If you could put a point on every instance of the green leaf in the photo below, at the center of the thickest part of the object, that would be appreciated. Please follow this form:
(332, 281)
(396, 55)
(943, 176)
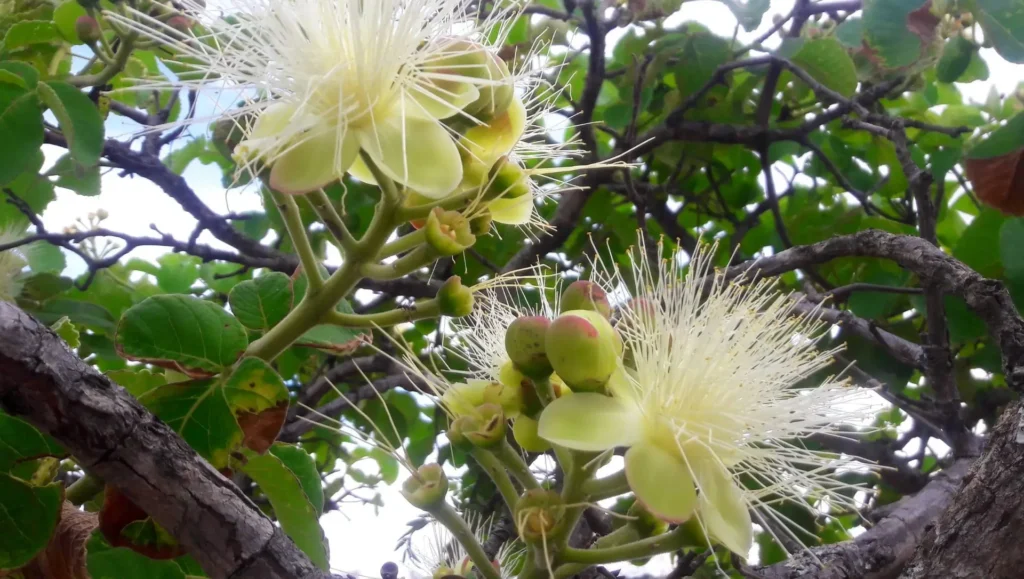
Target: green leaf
(65, 16)
(45, 258)
(76, 177)
(137, 381)
(43, 286)
(977, 246)
(851, 33)
(30, 32)
(28, 515)
(106, 562)
(79, 119)
(898, 30)
(1003, 24)
(1011, 240)
(333, 339)
(218, 416)
(21, 124)
(956, 56)
(827, 62)
(961, 116)
(263, 302)
(1002, 141)
(184, 333)
(749, 13)
(701, 56)
(88, 314)
(292, 507)
(303, 467)
(67, 332)
(20, 441)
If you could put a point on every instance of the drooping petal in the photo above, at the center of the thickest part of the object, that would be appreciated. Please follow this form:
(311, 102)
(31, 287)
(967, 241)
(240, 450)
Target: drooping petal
(360, 171)
(313, 163)
(496, 139)
(661, 481)
(416, 152)
(517, 211)
(589, 421)
(722, 509)
(440, 99)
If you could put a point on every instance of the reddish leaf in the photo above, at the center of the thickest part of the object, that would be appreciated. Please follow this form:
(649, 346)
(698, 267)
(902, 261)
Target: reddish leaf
(922, 23)
(261, 428)
(999, 181)
(117, 513)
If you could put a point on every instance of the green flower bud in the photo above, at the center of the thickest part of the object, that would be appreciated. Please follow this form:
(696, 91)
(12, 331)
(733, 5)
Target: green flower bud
(481, 224)
(455, 436)
(586, 295)
(524, 429)
(583, 349)
(539, 513)
(644, 521)
(509, 398)
(524, 343)
(455, 299)
(485, 427)
(508, 181)
(448, 232)
(87, 29)
(427, 487)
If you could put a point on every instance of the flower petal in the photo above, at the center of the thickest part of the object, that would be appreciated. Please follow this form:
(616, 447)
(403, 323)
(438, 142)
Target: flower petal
(416, 152)
(313, 163)
(661, 481)
(463, 398)
(492, 141)
(440, 99)
(722, 509)
(591, 422)
(517, 211)
(360, 171)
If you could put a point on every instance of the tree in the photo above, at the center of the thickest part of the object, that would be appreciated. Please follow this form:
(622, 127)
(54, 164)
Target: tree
(442, 147)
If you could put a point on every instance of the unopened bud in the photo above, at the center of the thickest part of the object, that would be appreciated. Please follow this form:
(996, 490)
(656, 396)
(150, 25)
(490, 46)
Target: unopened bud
(508, 181)
(102, 214)
(644, 521)
(87, 29)
(474, 61)
(586, 295)
(524, 429)
(454, 299)
(539, 513)
(427, 487)
(509, 398)
(180, 23)
(583, 349)
(525, 345)
(481, 224)
(448, 232)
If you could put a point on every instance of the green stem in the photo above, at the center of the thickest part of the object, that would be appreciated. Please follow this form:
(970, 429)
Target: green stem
(665, 543)
(621, 536)
(408, 263)
(607, 487)
(404, 243)
(516, 465)
(446, 515)
(332, 220)
(297, 232)
(387, 186)
(496, 470)
(83, 490)
(111, 69)
(422, 310)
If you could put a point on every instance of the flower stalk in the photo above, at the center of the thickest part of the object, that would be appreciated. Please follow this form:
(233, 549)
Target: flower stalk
(447, 516)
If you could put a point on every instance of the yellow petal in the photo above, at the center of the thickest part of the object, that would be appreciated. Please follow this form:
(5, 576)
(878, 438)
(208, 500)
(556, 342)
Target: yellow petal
(360, 171)
(722, 509)
(661, 481)
(313, 163)
(517, 211)
(462, 399)
(492, 141)
(589, 421)
(440, 99)
(418, 153)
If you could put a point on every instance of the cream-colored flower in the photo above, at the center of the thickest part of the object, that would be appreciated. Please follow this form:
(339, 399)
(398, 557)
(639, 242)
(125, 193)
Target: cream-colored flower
(706, 401)
(331, 78)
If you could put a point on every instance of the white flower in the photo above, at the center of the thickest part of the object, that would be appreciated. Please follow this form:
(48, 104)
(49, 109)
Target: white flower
(706, 400)
(436, 553)
(12, 263)
(336, 77)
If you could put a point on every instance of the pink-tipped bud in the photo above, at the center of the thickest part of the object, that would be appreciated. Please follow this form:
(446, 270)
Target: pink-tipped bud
(180, 23)
(524, 343)
(87, 29)
(586, 295)
(583, 349)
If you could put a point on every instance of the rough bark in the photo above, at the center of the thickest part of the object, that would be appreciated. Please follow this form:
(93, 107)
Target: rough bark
(115, 438)
(884, 549)
(980, 534)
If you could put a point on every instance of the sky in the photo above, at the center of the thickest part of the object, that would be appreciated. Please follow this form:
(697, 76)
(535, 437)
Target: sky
(363, 537)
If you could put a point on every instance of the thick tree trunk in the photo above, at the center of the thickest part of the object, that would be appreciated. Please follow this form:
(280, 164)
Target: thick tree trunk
(980, 535)
(115, 438)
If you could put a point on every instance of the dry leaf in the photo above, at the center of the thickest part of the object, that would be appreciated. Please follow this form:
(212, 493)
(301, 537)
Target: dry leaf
(999, 181)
